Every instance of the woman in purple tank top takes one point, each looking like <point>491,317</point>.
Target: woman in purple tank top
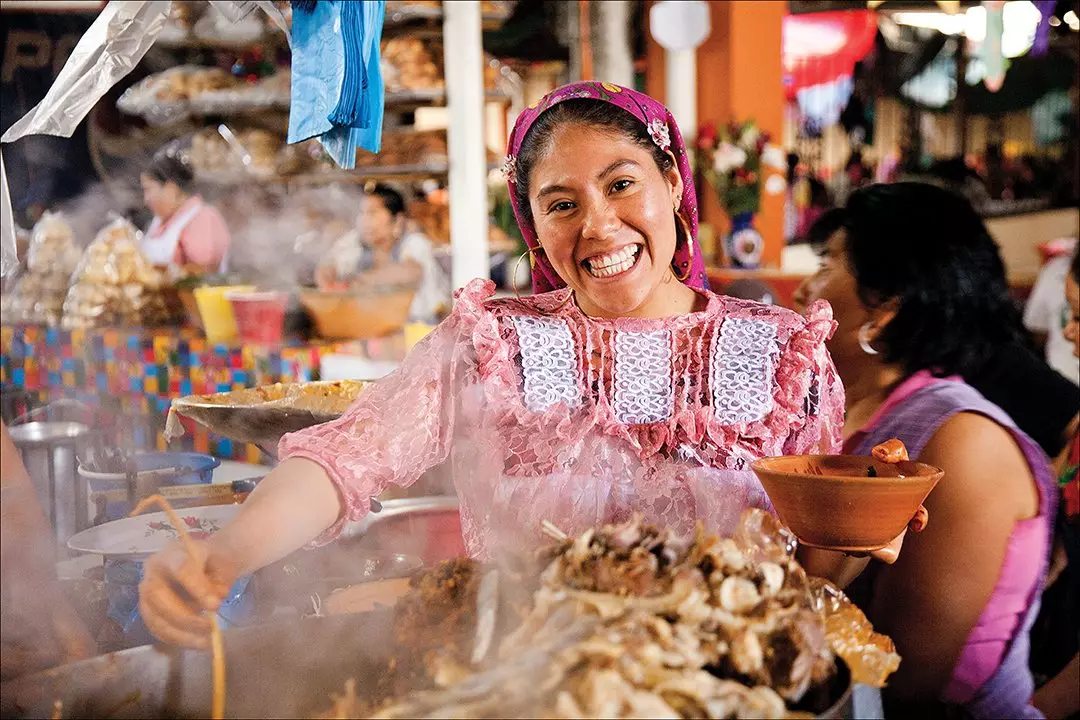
<point>920,297</point>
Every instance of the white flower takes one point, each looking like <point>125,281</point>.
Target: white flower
<point>728,157</point>
<point>658,131</point>
<point>509,168</point>
<point>774,157</point>
<point>749,136</point>
<point>775,185</point>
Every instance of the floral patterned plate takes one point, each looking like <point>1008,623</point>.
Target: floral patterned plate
<point>141,536</point>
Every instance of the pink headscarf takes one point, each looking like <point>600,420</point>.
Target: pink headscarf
<point>688,261</point>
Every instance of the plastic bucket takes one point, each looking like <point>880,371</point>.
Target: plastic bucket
<point>260,316</point>
<point>199,470</point>
<point>216,311</point>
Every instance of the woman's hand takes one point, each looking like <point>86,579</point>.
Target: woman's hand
<point>890,552</point>
<point>407,273</point>
<point>178,591</point>
<point>326,278</point>
<point>288,509</point>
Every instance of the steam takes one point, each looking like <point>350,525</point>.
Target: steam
<point>278,235</point>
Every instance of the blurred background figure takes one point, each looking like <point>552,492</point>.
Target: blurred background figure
<point>1056,635</point>
<point>384,249</point>
<point>186,232</point>
<point>1047,311</point>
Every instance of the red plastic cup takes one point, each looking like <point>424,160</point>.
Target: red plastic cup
<point>260,316</point>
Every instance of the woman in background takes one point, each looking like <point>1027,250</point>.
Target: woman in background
<point>383,250</point>
<point>919,294</point>
<point>186,231</point>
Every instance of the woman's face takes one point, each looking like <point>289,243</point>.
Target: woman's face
<point>1072,327</point>
<point>160,198</point>
<point>835,283</point>
<point>605,217</point>
<point>377,225</point>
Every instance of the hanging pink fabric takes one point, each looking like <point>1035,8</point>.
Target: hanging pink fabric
<point>688,261</point>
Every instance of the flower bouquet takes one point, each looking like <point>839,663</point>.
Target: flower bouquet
<point>736,160</point>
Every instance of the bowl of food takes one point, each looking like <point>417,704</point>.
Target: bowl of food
<point>848,503</point>
<point>358,314</point>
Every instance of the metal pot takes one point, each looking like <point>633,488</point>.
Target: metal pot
<point>48,451</point>
<point>283,670</point>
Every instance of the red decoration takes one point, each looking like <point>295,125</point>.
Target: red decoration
<point>821,47</point>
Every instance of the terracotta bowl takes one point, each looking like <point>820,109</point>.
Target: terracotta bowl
<point>838,502</point>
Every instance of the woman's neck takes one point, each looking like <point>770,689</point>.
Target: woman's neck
<point>866,391</point>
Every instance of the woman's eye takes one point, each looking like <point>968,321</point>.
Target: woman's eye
<point>620,185</point>
<point>563,206</point>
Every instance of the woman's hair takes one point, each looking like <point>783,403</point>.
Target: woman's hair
<point>391,199</point>
<point>927,250</point>
<point>595,114</point>
<point>170,165</point>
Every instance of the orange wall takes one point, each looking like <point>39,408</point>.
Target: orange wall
<point>740,77</point>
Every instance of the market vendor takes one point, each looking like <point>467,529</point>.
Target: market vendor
<point>383,249</point>
<point>186,232</point>
<point>39,628</point>
<point>622,386</point>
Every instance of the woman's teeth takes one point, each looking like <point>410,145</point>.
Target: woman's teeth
<point>613,264</point>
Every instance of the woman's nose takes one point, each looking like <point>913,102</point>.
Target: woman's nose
<point>599,221</point>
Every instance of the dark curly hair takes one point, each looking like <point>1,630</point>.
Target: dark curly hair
<point>927,250</point>
<point>594,114</point>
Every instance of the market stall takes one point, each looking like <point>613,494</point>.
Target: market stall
<point>135,374</point>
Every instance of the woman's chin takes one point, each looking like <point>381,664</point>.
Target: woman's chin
<point>612,300</point>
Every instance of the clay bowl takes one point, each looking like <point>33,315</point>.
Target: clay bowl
<point>838,502</point>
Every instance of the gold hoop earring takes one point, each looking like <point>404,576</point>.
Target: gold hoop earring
<point>532,265</point>
<point>514,274</point>
<point>690,246</point>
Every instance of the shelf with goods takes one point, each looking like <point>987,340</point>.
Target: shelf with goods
<point>233,124</point>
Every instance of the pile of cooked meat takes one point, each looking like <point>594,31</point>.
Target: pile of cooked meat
<point>623,621</point>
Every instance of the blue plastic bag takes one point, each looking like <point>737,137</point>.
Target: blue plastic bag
<point>337,86</point>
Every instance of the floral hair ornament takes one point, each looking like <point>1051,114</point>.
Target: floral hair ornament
<point>688,263</point>
<point>509,168</point>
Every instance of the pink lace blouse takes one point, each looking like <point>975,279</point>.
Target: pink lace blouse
<point>545,413</point>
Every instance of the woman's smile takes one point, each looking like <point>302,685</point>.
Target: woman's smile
<point>614,264</point>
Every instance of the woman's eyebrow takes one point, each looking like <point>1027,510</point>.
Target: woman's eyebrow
<point>550,189</point>
<point>615,166</point>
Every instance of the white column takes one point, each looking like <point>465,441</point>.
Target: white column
<point>613,59</point>
<point>681,81</point>
<point>463,58</point>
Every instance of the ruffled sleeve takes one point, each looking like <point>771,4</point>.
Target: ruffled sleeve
<point>402,425</point>
<point>814,387</point>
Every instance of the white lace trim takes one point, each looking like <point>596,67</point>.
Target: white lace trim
<point>743,364</point>
<point>548,362</point>
<point>643,387</point>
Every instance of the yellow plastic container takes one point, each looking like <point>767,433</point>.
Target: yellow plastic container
<point>218,320</point>
<point>415,332</point>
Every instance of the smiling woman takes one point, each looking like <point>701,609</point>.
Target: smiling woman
<point>622,386</point>
<point>609,220</point>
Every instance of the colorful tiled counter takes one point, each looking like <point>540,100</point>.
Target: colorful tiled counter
<point>133,375</point>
